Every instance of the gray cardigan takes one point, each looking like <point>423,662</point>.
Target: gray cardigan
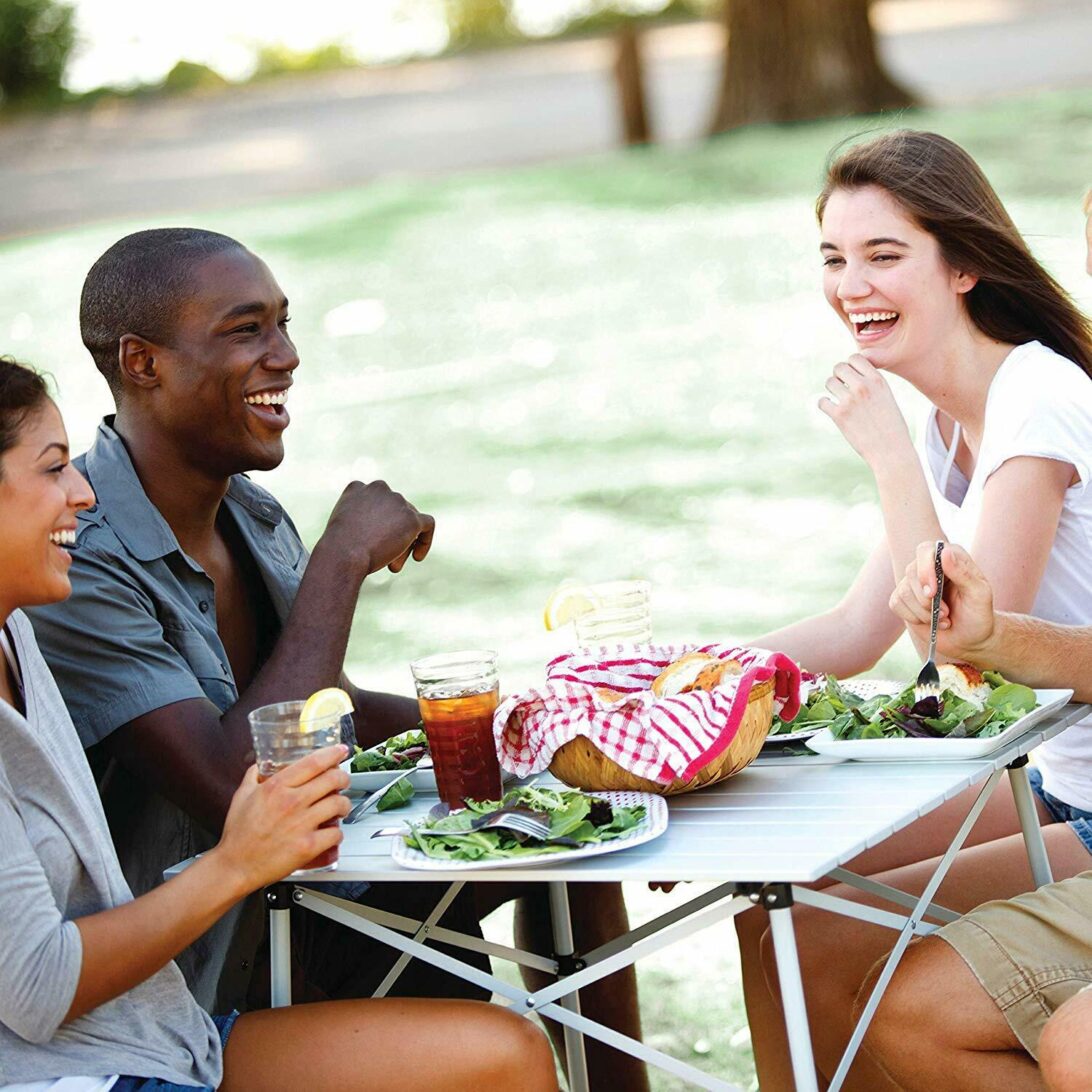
<point>57,863</point>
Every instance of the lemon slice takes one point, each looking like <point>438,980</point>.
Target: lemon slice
<point>324,707</point>
<point>567,603</point>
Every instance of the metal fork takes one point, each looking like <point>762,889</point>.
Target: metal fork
<point>373,798</point>
<point>517,822</point>
<point>928,684</point>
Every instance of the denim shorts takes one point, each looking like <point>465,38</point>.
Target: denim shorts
<point>224,1024</point>
<point>1080,822</point>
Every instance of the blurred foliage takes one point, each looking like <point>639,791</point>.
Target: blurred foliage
<point>36,40</point>
<point>479,22</point>
<point>191,76</point>
<point>485,23</point>
<point>608,15</point>
<point>279,60</point>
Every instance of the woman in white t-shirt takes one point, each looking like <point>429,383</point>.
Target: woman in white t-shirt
<point>926,270</point>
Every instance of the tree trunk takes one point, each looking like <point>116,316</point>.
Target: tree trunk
<point>788,60</point>
<point>629,77</point>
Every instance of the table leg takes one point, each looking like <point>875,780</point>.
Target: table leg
<point>777,899</point>
<point>1029,822</point>
<point>576,1059</point>
<point>279,900</point>
<point>906,934</point>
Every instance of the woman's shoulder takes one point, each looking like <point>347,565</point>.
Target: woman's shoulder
<point>1033,365</point>
<point>1034,379</point>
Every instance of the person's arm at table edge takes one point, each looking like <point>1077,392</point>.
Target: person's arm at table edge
<point>1025,649</point>
<point>851,637</point>
<point>1039,654</point>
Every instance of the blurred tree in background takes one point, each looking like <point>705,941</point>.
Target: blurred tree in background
<point>478,22</point>
<point>789,60</point>
<point>279,59</point>
<point>36,39</point>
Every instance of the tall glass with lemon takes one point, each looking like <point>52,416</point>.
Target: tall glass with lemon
<point>615,611</point>
<point>290,730</point>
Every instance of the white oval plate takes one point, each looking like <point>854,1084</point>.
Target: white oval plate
<point>651,826</point>
<point>916,750</point>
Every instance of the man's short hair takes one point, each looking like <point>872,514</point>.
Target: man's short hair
<point>138,287</point>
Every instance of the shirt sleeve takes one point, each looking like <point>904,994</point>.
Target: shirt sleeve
<point>40,960</point>
<point>107,650</point>
<point>1048,415</point>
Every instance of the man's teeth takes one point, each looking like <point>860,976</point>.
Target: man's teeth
<point>62,538</point>
<point>267,399</point>
<point>873,316</point>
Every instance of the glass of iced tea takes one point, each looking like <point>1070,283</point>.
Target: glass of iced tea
<point>280,737</point>
<point>457,694</point>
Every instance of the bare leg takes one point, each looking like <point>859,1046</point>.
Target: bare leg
<point>837,953</point>
<point>938,1028</point>
<point>390,1045</point>
<point>1065,1047</point>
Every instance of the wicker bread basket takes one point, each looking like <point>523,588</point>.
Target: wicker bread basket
<point>581,764</point>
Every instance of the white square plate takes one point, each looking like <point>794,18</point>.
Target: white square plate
<point>651,826</point>
<point>913,749</point>
<point>421,780</point>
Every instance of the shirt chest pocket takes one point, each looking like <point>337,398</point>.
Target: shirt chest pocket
<point>208,664</point>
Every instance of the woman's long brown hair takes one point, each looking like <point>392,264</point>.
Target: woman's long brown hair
<point>945,192</point>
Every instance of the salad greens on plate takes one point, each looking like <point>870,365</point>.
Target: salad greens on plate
<point>960,712</point>
<point>397,753</point>
<point>575,819</point>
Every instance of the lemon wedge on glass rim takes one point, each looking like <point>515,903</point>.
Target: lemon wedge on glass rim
<point>324,707</point>
<point>567,602</point>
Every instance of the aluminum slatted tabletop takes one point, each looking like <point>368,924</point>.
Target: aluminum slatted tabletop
<point>776,825</point>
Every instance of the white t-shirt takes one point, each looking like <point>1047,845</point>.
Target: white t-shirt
<point>1039,404</point>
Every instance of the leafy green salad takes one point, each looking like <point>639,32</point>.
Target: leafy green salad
<point>575,818</point>
<point>396,753</point>
<point>994,706</point>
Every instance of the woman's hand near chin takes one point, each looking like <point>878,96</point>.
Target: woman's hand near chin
<point>863,407</point>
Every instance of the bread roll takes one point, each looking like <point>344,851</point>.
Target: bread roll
<point>711,676</point>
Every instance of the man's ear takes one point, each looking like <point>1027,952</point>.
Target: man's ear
<point>136,359</point>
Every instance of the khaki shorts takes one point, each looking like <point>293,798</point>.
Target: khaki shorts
<point>1031,953</point>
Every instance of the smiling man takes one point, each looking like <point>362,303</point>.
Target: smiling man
<point>194,601</point>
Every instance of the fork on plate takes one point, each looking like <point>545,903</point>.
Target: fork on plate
<point>374,797</point>
<point>928,683</point>
<point>518,822</point>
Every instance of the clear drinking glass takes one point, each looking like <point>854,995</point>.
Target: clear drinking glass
<point>622,612</point>
<point>457,693</point>
<point>279,739</point>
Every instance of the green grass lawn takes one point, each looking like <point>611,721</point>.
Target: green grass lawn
<point>601,368</point>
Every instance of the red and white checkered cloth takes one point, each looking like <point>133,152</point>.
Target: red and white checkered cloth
<point>656,738</point>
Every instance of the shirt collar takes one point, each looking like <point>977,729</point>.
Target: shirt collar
<point>133,518</point>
